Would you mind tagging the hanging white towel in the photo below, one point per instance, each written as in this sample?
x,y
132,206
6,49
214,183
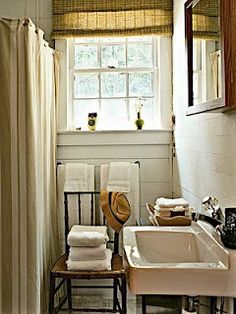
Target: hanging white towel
x,y
93,265
76,176
133,195
76,180
73,202
85,253
83,236
119,177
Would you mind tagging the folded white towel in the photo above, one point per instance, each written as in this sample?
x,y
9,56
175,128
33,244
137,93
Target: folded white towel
x,y
94,265
171,202
87,235
119,177
76,177
85,253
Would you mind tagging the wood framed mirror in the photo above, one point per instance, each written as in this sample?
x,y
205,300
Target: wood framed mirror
x,y
205,55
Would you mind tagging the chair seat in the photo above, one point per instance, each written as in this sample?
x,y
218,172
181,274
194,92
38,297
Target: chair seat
x,y
60,270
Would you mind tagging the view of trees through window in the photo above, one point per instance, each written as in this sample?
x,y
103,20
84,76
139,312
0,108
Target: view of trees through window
x,y
109,76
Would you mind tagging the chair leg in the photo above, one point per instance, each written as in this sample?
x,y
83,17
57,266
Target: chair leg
x,y
51,294
114,294
69,294
143,304
213,304
124,294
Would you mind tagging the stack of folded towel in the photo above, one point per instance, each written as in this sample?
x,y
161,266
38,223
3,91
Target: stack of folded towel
x,y
88,248
168,207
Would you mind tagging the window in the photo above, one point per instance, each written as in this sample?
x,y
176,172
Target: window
x,y
108,75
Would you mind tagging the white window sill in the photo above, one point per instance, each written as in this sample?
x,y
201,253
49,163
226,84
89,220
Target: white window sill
x,y
116,137
113,131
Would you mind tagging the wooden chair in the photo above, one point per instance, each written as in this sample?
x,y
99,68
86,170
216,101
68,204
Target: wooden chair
x,y
60,273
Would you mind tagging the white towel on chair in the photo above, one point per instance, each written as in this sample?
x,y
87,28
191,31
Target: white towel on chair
x,y
85,253
93,265
119,177
93,236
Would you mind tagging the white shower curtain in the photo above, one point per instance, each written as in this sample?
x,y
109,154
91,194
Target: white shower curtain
x,y
29,73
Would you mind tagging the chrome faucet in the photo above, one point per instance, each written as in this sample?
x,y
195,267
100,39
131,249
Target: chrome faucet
x,y
212,205
215,215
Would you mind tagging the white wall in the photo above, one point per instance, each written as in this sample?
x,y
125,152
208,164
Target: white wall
x,y
40,11
205,160
150,148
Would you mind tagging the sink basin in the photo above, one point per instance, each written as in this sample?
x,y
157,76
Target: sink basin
x,y
174,247
178,260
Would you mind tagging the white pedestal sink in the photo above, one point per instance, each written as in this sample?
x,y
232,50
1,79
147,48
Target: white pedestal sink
x,y
178,260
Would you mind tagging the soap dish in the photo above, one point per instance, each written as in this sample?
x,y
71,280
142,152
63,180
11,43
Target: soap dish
x,y
174,221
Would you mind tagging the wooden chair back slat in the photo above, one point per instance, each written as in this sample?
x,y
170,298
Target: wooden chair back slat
x,y
92,194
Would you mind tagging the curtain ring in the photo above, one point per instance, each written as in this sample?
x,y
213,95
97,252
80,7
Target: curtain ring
x,y
26,22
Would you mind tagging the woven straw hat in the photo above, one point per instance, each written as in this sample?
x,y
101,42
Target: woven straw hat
x,y
116,208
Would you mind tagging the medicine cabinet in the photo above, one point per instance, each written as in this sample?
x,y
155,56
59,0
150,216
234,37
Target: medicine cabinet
x,y
211,54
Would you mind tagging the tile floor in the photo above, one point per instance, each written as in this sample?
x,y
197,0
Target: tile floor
x,y
134,306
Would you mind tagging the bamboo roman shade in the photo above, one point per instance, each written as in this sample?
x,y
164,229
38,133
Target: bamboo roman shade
x,y
205,19
75,18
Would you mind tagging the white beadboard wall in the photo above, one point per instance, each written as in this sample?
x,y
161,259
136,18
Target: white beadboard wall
x,y
150,148
40,11
205,160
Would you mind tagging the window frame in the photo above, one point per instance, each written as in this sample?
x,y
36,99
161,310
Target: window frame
x,y
163,108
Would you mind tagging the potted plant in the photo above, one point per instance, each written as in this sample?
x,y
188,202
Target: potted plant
x,y
139,122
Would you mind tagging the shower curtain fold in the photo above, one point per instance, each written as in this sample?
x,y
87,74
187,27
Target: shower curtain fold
x,y
29,75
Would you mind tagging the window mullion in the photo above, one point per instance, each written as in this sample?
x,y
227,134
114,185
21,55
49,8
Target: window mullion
x,y
156,86
71,84
99,76
127,79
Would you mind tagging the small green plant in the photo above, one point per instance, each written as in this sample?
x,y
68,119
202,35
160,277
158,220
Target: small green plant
x,y
139,122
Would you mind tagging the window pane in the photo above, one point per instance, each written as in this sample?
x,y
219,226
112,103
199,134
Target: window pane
x,y
86,57
81,110
146,39
113,39
113,56
140,84
86,40
139,55
114,115
113,84
86,85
